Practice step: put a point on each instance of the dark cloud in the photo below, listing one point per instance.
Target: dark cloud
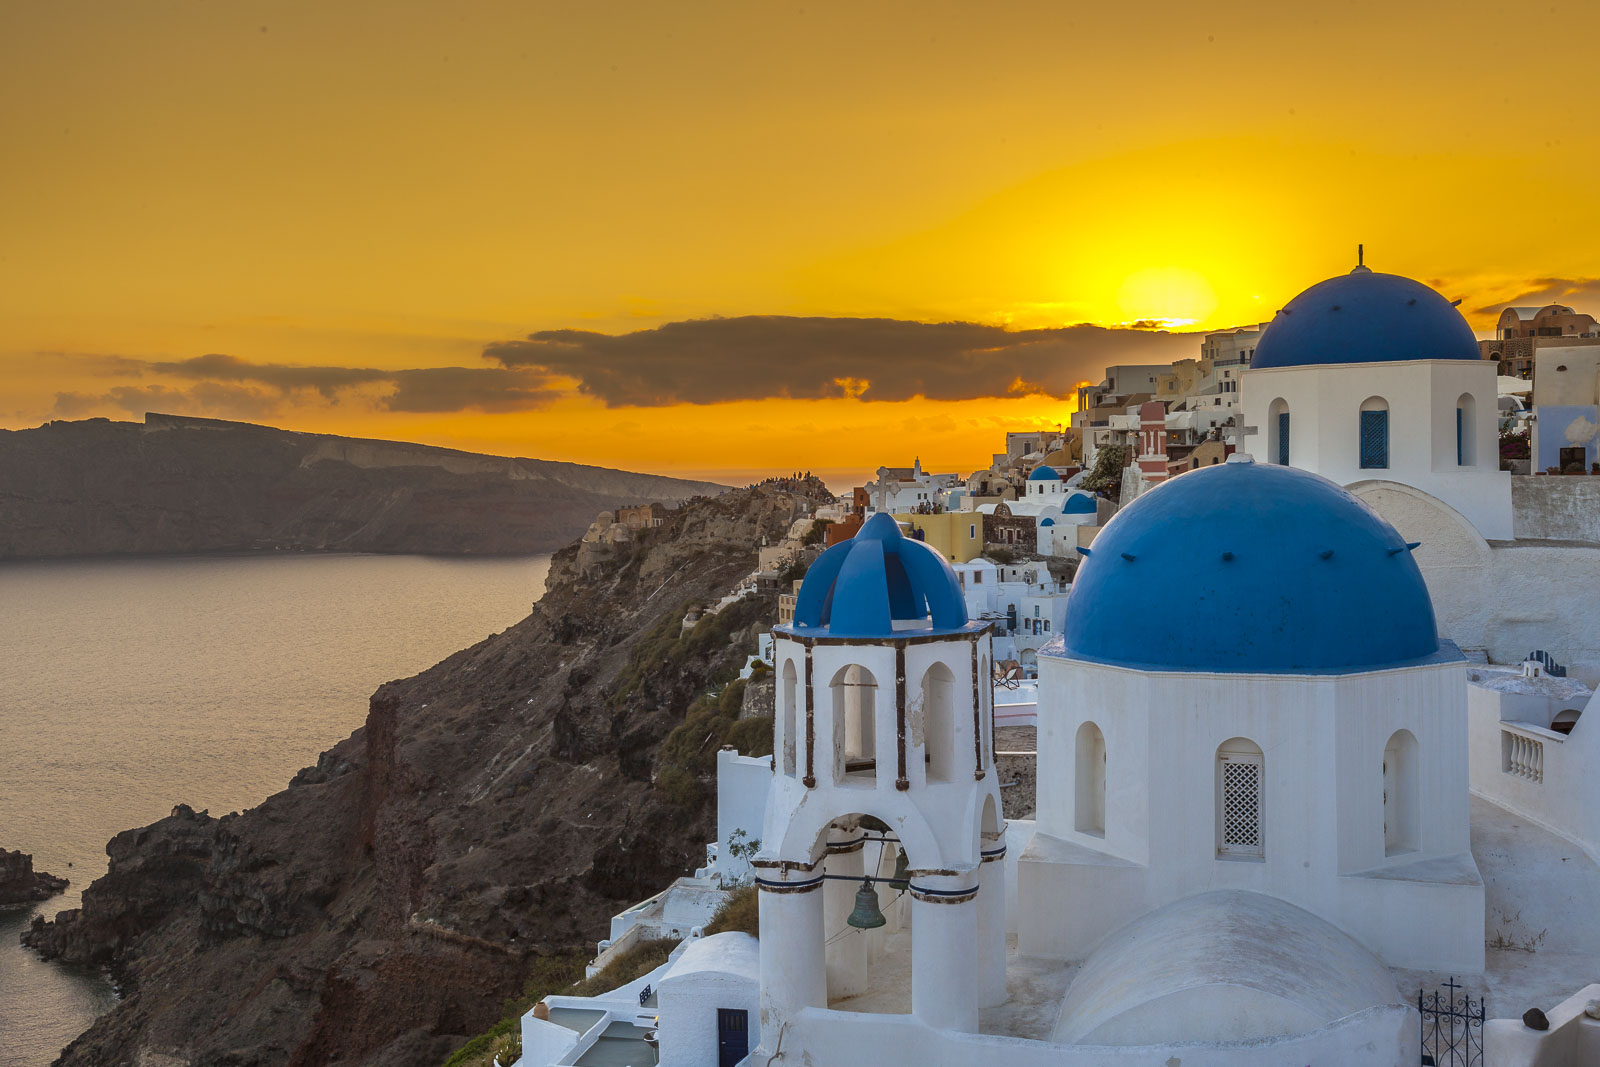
(705, 361)
(283, 376)
(439, 389)
(232, 387)
(1537, 292)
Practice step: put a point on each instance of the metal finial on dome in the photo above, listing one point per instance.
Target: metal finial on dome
(1361, 265)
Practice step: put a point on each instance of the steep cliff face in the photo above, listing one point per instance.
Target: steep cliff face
(177, 485)
(498, 806)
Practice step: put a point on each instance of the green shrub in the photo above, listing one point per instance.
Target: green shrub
(508, 1049)
(634, 962)
(681, 788)
(817, 532)
(739, 912)
(752, 737)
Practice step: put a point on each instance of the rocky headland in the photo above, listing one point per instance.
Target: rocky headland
(21, 884)
(174, 485)
(493, 810)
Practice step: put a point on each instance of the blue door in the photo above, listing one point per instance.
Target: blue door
(1283, 438)
(733, 1036)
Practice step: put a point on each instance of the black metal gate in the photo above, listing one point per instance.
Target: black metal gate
(1452, 1027)
(733, 1036)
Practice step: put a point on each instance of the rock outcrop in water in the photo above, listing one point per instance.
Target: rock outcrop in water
(179, 485)
(499, 806)
(21, 884)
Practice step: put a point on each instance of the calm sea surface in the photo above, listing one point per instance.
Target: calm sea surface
(129, 686)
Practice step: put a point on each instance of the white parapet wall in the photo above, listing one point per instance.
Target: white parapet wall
(1573, 1039)
(1518, 762)
(742, 784)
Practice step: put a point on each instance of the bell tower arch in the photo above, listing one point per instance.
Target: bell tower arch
(892, 807)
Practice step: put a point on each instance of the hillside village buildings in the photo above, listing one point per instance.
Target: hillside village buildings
(1315, 730)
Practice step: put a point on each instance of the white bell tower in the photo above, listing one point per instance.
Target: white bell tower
(884, 742)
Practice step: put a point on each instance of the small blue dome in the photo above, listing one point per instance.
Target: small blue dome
(1080, 504)
(1043, 473)
(880, 584)
(1249, 567)
(1363, 317)
(1047, 521)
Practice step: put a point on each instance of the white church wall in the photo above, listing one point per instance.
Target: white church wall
(1323, 738)
(1376, 1037)
(1324, 404)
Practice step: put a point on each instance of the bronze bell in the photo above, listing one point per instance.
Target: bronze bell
(866, 915)
(900, 879)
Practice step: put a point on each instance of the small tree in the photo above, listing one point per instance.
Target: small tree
(1106, 475)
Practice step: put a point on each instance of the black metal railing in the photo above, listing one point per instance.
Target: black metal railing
(1452, 1027)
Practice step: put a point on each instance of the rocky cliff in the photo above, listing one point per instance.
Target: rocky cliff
(175, 485)
(496, 808)
(21, 884)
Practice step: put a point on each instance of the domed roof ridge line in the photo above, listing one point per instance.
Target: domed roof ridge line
(1299, 575)
(880, 584)
(1365, 317)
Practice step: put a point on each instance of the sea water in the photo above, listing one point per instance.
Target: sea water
(129, 686)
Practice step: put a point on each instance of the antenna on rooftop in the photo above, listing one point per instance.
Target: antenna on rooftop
(1361, 255)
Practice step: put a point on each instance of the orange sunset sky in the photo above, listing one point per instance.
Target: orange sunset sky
(726, 240)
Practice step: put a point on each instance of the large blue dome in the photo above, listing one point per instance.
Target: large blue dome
(879, 584)
(1249, 567)
(1363, 317)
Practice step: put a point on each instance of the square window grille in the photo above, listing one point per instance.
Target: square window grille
(1239, 806)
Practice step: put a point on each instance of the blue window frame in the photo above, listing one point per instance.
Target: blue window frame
(1374, 439)
(1461, 460)
(1283, 438)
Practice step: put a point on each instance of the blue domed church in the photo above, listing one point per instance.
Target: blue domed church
(1373, 378)
(1251, 696)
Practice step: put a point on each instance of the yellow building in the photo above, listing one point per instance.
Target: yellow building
(956, 535)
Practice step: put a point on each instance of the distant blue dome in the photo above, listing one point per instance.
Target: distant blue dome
(1047, 521)
(1362, 317)
(879, 584)
(1250, 567)
(1043, 473)
(1080, 504)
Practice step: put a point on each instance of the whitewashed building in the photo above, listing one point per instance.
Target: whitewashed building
(1372, 376)
(1303, 740)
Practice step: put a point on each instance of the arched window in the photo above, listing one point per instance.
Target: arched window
(788, 718)
(1374, 433)
(1400, 794)
(854, 727)
(939, 722)
(1278, 432)
(1089, 779)
(1466, 412)
(1241, 789)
